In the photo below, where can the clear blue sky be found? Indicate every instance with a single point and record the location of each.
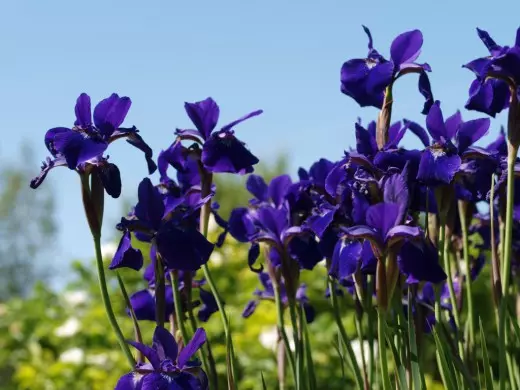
(282, 56)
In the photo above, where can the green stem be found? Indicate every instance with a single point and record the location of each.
(177, 304)
(359, 330)
(137, 329)
(506, 262)
(207, 361)
(370, 333)
(453, 297)
(206, 180)
(281, 327)
(160, 292)
(381, 338)
(108, 306)
(343, 333)
(467, 267)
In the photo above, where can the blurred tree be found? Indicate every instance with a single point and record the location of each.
(27, 225)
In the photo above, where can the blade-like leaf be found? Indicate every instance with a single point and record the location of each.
(446, 369)
(488, 374)
(417, 378)
(308, 353)
(401, 369)
(264, 386)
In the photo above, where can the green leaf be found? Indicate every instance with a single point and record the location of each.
(401, 369)
(308, 354)
(446, 369)
(264, 386)
(417, 377)
(488, 374)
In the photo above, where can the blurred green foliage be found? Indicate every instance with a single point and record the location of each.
(62, 339)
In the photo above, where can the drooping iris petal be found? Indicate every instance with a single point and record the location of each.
(157, 381)
(83, 111)
(47, 165)
(490, 96)
(346, 258)
(437, 166)
(204, 115)
(252, 256)
(256, 185)
(143, 303)
(278, 188)
(130, 381)
(240, 224)
(319, 171)
(209, 306)
(425, 89)
(223, 152)
(110, 113)
(126, 256)
(134, 139)
(150, 207)
(354, 75)
(111, 179)
(75, 148)
(183, 249)
(380, 77)
(471, 131)
(165, 344)
(420, 263)
(198, 339)
(366, 232)
(172, 156)
(401, 232)
(305, 250)
(406, 47)
(250, 308)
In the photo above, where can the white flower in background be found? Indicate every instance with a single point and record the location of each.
(269, 338)
(216, 258)
(73, 355)
(212, 224)
(99, 359)
(356, 347)
(108, 250)
(69, 328)
(76, 297)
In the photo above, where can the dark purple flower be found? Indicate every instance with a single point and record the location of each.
(167, 367)
(496, 76)
(221, 150)
(419, 262)
(365, 80)
(143, 304)
(82, 147)
(172, 231)
(441, 161)
(209, 305)
(383, 228)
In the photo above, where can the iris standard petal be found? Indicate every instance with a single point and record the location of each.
(278, 188)
(435, 123)
(406, 47)
(383, 216)
(126, 256)
(148, 352)
(365, 142)
(241, 226)
(83, 111)
(256, 186)
(471, 131)
(452, 125)
(110, 113)
(204, 115)
(165, 344)
(150, 206)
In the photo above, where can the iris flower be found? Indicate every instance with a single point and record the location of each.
(81, 147)
(221, 150)
(366, 79)
(167, 367)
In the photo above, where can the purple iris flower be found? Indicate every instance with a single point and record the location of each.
(366, 79)
(269, 219)
(167, 367)
(143, 304)
(172, 231)
(209, 305)
(82, 147)
(441, 161)
(221, 150)
(496, 76)
(267, 293)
